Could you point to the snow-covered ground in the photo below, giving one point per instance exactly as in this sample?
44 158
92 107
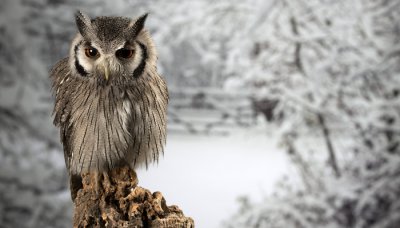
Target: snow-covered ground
205 175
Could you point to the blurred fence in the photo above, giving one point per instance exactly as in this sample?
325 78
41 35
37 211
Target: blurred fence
213 111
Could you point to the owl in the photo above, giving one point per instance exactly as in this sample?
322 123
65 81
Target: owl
110 101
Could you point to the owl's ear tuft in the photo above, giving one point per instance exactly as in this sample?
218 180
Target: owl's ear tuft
83 23
137 26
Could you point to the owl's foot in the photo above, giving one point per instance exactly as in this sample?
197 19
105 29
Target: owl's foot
97 185
107 186
101 185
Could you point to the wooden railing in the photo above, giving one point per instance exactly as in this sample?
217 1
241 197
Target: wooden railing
210 111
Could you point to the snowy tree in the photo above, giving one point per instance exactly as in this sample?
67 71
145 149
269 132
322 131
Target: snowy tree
32 178
334 67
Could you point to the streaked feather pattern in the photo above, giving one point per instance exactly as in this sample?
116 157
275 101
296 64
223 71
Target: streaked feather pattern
105 124
104 127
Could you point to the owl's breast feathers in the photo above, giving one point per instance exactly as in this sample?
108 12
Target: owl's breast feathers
104 127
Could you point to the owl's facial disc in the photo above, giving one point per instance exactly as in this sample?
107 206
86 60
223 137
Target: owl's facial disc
110 50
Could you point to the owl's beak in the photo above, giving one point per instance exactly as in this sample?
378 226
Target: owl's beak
106 72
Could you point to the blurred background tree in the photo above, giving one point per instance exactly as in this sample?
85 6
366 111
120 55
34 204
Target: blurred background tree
333 65
326 74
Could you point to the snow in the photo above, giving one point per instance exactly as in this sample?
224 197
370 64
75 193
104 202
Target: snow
349 74
204 175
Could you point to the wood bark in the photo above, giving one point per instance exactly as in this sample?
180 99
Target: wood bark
114 199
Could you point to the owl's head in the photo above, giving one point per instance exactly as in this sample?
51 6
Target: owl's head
111 50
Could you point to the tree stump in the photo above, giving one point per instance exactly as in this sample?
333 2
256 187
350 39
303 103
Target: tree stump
114 200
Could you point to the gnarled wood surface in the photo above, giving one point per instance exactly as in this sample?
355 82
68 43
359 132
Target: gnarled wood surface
114 200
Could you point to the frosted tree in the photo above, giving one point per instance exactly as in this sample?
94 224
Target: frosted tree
333 66
32 178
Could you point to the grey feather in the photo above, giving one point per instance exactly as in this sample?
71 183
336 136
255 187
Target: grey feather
108 122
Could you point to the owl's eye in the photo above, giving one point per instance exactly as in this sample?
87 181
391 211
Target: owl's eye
124 53
91 52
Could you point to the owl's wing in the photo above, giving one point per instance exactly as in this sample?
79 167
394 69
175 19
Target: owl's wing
148 121
58 75
62 90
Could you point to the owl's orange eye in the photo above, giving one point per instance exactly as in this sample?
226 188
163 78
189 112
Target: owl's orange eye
124 53
91 52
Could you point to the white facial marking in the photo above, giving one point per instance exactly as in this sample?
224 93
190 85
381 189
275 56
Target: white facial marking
85 62
137 59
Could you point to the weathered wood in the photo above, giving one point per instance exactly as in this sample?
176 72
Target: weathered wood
114 200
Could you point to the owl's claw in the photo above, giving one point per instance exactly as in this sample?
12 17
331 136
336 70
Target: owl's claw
97 185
